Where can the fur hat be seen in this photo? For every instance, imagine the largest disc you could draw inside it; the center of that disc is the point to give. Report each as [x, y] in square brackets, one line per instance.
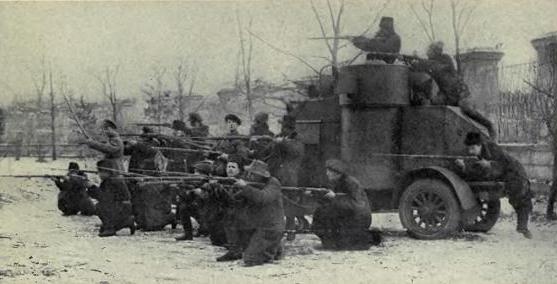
[259, 168]
[387, 23]
[336, 166]
[107, 123]
[473, 138]
[147, 130]
[178, 125]
[437, 45]
[204, 167]
[235, 158]
[233, 117]
[73, 166]
[261, 117]
[194, 117]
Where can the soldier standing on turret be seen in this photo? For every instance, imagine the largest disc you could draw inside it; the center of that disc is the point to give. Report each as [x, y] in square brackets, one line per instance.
[386, 40]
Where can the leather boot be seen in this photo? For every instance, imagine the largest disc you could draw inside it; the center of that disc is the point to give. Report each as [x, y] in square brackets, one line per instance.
[230, 256]
[131, 225]
[107, 233]
[522, 216]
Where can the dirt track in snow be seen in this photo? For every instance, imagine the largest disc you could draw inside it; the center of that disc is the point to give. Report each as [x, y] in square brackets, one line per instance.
[38, 245]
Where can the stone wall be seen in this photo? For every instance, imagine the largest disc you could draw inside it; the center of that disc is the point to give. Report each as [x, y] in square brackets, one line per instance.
[537, 159]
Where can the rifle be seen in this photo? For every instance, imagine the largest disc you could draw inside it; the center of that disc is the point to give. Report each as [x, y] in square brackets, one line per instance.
[168, 125]
[423, 156]
[343, 37]
[161, 172]
[188, 150]
[85, 171]
[186, 140]
[41, 176]
[203, 178]
[218, 138]
[110, 169]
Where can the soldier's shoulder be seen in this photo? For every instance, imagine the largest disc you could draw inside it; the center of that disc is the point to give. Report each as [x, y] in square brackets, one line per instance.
[351, 181]
[274, 181]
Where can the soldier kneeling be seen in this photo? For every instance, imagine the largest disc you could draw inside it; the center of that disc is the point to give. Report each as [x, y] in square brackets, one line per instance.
[114, 207]
[266, 212]
[342, 220]
[73, 197]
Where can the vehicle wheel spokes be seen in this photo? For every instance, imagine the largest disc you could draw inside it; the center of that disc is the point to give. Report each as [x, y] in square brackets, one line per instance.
[429, 211]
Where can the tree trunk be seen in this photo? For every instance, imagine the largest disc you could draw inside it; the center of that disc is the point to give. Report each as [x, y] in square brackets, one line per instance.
[53, 128]
[250, 103]
[553, 189]
[52, 120]
[115, 112]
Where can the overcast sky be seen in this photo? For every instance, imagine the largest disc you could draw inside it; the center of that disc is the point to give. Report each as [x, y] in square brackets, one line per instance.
[80, 39]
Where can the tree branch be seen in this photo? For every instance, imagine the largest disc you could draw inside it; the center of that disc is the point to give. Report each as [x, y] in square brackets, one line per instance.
[421, 22]
[300, 59]
[323, 33]
[376, 18]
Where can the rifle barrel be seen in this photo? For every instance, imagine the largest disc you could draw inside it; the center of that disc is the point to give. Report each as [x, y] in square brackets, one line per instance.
[332, 37]
[187, 150]
[154, 124]
[233, 137]
[422, 156]
[31, 176]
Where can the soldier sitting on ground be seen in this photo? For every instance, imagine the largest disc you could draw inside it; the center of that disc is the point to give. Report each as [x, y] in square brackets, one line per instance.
[495, 164]
[342, 221]
[73, 197]
[266, 212]
[386, 40]
[114, 207]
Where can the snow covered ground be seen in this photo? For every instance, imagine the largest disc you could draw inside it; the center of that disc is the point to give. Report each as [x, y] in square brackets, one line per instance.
[39, 245]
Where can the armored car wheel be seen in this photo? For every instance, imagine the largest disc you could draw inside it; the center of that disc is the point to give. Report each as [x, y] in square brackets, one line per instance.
[489, 213]
[429, 210]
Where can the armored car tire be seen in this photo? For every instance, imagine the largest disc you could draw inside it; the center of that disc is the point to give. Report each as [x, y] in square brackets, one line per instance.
[489, 213]
[429, 209]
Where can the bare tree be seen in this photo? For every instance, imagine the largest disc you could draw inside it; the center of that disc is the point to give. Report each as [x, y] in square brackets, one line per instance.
[157, 97]
[546, 86]
[335, 18]
[461, 13]
[182, 75]
[246, 56]
[40, 83]
[53, 113]
[335, 23]
[426, 23]
[107, 80]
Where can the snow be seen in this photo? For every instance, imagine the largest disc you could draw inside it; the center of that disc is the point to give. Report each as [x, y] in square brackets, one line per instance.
[39, 245]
